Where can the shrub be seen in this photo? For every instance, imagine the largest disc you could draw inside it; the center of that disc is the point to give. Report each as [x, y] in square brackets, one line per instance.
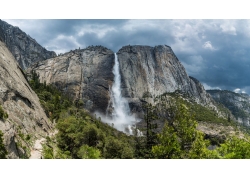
[3, 151]
[3, 115]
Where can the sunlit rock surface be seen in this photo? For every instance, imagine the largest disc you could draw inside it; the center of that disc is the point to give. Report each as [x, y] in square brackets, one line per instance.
[82, 74]
[26, 117]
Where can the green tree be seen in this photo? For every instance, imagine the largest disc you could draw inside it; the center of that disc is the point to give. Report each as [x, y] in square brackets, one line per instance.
[180, 138]
[235, 148]
[199, 149]
[2, 113]
[3, 151]
[71, 134]
[144, 145]
[87, 152]
[150, 117]
[47, 152]
[169, 146]
[116, 149]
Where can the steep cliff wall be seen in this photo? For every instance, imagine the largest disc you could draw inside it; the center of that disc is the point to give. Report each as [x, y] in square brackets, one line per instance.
[25, 49]
[87, 74]
[237, 103]
[83, 74]
[156, 70]
[26, 119]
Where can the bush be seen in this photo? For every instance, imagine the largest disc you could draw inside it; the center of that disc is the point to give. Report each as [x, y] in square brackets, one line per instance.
[3, 151]
[3, 115]
[52, 100]
[87, 152]
[235, 148]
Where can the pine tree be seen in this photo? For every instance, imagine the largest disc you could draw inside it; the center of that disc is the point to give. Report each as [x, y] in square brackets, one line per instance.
[180, 138]
[150, 117]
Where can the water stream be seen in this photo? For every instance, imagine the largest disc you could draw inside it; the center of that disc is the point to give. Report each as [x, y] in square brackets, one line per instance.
[121, 115]
[118, 112]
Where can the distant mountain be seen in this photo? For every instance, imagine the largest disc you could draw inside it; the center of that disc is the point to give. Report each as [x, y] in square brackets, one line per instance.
[25, 49]
[237, 103]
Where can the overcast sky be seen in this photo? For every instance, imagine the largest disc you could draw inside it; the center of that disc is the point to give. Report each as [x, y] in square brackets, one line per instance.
[216, 52]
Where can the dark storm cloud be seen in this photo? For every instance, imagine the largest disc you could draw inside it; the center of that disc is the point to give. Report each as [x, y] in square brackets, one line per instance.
[118, 37]
[216, 52]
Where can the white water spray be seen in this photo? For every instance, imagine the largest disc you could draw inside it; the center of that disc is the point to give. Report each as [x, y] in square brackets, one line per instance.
[122, 119]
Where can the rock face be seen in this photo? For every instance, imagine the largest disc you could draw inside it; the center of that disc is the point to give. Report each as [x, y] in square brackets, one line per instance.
[83, 74]
[25, 49]
[26, 119]
[156, 70]
[237, 103]
[87, 74]
[217, 133]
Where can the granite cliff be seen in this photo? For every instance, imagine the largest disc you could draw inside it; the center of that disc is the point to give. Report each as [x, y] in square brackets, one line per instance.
[87, 74]
[25, 120]
[156, 70]
[84, 74]
[24, 49]
[237, 103]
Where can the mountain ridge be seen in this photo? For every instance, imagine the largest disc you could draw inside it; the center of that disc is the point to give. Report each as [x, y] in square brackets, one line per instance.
[237, 103]
[24, 48]
[135, 62]
[84, 74]
[26, 118]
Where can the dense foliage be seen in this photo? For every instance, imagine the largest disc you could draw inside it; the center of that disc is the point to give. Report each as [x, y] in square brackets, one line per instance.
[82, 135]
[52, 100]
[180, 138]
[204, 114]
[235, 148]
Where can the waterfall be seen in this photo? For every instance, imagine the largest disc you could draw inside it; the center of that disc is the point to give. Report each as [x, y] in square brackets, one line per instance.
[118, 112]
[121, 116]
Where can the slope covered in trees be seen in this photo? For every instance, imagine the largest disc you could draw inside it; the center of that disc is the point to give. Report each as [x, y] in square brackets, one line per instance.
[82, 135]
[237, 103]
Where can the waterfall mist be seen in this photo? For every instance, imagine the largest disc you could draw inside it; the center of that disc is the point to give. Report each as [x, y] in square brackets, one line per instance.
[121, 117]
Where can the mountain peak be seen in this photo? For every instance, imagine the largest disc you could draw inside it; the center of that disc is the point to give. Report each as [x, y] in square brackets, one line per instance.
[24, 48]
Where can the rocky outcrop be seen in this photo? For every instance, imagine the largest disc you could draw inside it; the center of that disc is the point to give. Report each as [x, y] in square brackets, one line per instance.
[156, 70]
[82, 74]
[237, 103]
[26, 119]
[25, 49]
[217, 133]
